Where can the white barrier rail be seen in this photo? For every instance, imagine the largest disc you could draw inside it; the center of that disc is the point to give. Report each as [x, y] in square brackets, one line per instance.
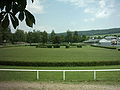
[64, 71]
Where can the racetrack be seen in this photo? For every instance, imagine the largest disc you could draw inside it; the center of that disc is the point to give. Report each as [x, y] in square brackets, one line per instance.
[13, 85]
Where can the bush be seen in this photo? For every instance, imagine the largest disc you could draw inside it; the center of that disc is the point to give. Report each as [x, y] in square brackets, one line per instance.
[79, 46]
[67, 46]
[49, 46]
[73, 44]
[56, 64]
[56, 46]
[118, 49]
[41, 46]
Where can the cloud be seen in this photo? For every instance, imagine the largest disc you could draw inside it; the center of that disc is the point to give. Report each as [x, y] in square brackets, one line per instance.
[78, 3]
[102, 3]
[97, 8]
[106, 8]
[89, 19]
[89, 10]
[36, 7]
[106, 12]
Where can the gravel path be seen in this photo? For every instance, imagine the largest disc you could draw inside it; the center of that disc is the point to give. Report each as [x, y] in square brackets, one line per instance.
[53, 86]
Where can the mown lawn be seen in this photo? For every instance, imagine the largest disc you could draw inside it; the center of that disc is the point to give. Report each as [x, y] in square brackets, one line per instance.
[33, 54]
[57, 76]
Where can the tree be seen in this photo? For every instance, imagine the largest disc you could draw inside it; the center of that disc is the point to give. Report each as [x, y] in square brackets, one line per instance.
[12, 8]
[57, 40]
[69, 36]
[37, 36]
[29, 37]
[75, 37]
[19, 36]
[62, 38]
[83, 38]
[44, 37]
[5, 34]
[52, 36]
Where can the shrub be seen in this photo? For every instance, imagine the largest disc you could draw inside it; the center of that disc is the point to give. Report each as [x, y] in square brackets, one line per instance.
[49, 46]
[67, 46]
[41, 46]
[118, 49]
[73, 44]
[56, 64]
[56, 46]
[79, 46]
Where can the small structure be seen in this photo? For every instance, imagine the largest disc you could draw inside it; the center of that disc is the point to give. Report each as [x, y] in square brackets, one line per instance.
[109, 41]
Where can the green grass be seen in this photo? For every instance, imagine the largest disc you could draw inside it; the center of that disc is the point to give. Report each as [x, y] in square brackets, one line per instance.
[57, 76]
[85, 54]
[32, 54]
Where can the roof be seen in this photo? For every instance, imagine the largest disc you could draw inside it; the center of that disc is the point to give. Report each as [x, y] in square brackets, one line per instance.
[110, 37]
[104, 40]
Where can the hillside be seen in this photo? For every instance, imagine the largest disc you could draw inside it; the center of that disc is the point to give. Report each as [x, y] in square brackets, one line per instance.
[97, 32]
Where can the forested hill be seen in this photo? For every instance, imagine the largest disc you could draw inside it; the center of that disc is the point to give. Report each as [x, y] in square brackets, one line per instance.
[97, 32]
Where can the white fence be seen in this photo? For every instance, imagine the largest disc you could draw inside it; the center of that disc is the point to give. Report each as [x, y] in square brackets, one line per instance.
[64, 71]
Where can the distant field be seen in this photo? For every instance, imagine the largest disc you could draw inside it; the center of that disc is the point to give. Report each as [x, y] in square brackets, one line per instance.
[32, 54]
[57, 76]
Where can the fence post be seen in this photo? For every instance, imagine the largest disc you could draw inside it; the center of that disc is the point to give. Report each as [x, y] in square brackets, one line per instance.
[94, 75]
[63, 75]
[37, 75]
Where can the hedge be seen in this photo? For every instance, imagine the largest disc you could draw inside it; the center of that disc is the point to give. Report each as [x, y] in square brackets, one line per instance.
[41, 46]
[67, 46]
[49, 46]
[56, 46]
[56, 64]
[118, 49]
[79, 46]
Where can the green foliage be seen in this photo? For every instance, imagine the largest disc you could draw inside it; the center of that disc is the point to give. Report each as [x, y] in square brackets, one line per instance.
[56, 64]
[111, 78]
[44, 37]
[56, 46]
[12, 8]
[75, 37]
[5, 35]
[41, 46]
[69, 36]
[118, 49]
[14, 20]
[110, 31]
[84, 54]
[67, 46]
[79, 46]
[52, 36]
[29, 18]
[49, 46]
[5, 22]
[19, 36]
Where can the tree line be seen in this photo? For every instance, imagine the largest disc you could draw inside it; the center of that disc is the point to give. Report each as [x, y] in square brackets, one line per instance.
[6, 36]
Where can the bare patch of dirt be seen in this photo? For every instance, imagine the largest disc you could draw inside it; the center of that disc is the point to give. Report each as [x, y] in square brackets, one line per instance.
[10, 85]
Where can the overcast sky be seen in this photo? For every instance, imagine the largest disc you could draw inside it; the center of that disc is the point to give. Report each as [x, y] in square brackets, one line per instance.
[78, 15]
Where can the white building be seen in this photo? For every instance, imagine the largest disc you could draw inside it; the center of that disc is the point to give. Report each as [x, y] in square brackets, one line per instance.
[109, 41]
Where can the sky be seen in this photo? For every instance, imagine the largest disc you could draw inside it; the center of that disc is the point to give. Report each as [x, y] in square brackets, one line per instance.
[74, 15]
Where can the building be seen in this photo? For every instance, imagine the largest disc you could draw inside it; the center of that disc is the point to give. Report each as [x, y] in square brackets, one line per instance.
[110, 41]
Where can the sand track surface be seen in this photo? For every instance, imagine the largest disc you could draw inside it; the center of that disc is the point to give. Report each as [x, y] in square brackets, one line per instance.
[11, 85]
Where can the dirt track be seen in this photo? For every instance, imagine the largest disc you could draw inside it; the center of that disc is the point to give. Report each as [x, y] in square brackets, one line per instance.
[53, 86]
